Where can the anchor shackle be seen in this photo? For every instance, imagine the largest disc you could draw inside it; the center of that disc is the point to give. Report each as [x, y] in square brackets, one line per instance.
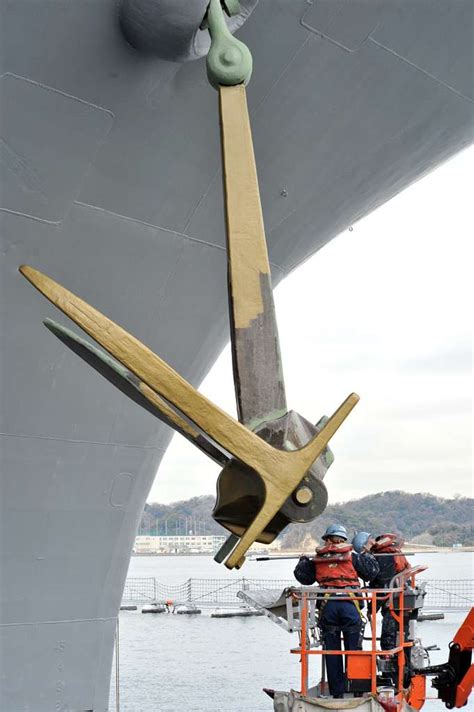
[228, 61]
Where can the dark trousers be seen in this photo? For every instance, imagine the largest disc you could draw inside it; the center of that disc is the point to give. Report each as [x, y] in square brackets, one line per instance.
[388, 635]
[336, 618]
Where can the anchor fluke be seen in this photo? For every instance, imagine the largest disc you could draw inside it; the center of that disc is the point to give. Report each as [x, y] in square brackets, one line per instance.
[280, 471]
[134, 388]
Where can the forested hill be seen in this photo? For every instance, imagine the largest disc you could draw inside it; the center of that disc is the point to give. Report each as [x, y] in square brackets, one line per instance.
[420, 517]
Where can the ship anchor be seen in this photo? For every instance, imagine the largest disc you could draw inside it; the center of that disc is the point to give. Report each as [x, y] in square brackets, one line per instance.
[274, 460]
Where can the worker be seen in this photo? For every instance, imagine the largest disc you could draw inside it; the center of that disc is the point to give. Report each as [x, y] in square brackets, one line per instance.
[336, 565]
[387, 550]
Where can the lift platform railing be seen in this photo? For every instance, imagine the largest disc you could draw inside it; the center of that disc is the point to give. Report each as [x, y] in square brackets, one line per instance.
[365, 661]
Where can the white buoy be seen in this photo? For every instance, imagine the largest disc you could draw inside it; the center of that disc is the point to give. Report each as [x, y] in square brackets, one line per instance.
[187, 610]
[154, 608]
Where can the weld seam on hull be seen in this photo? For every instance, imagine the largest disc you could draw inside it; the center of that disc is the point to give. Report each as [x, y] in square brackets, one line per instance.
[420, 69]
[82, 442]
[160, 227]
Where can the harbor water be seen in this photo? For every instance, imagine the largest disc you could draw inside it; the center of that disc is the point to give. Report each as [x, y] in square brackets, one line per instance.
[202, 664]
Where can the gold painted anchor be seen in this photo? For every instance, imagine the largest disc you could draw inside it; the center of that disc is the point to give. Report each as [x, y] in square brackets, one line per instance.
[274, 460]
[280, 471]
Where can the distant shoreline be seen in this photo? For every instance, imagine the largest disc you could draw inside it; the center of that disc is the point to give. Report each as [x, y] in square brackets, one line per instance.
[428, 548]
[410, 548]
[173, 553]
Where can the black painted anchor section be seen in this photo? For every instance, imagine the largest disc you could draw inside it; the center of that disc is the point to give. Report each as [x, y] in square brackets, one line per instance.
[129, 385]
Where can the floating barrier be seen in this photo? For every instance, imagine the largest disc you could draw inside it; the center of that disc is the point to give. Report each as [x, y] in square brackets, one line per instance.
[154, 608]
[235, 613]
[187, 611]
[430, 616]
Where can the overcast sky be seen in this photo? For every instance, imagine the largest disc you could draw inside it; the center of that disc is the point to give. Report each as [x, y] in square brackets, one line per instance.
[383, 310]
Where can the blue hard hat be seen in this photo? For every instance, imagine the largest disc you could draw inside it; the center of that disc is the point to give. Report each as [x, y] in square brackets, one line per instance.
[360, 540]
[335, 530]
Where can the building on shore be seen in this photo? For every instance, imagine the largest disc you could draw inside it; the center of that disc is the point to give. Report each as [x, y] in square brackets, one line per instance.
[188, 544]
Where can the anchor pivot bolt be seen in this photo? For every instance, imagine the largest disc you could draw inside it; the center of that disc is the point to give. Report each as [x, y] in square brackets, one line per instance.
[303, 495]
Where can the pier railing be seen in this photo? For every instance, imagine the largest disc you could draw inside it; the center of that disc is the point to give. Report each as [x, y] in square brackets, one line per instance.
[449, 594]
[441, 594]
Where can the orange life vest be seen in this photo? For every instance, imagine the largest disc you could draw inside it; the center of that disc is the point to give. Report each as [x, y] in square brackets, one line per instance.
[391, 544]
[334, 568]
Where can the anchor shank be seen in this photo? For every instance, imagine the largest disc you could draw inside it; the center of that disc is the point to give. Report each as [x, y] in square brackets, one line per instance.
[258, 378]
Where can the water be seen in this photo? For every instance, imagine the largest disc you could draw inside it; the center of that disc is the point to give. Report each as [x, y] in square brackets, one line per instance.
[203, 664]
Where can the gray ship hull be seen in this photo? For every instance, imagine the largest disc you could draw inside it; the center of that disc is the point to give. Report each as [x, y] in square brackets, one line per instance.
[111, 185]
